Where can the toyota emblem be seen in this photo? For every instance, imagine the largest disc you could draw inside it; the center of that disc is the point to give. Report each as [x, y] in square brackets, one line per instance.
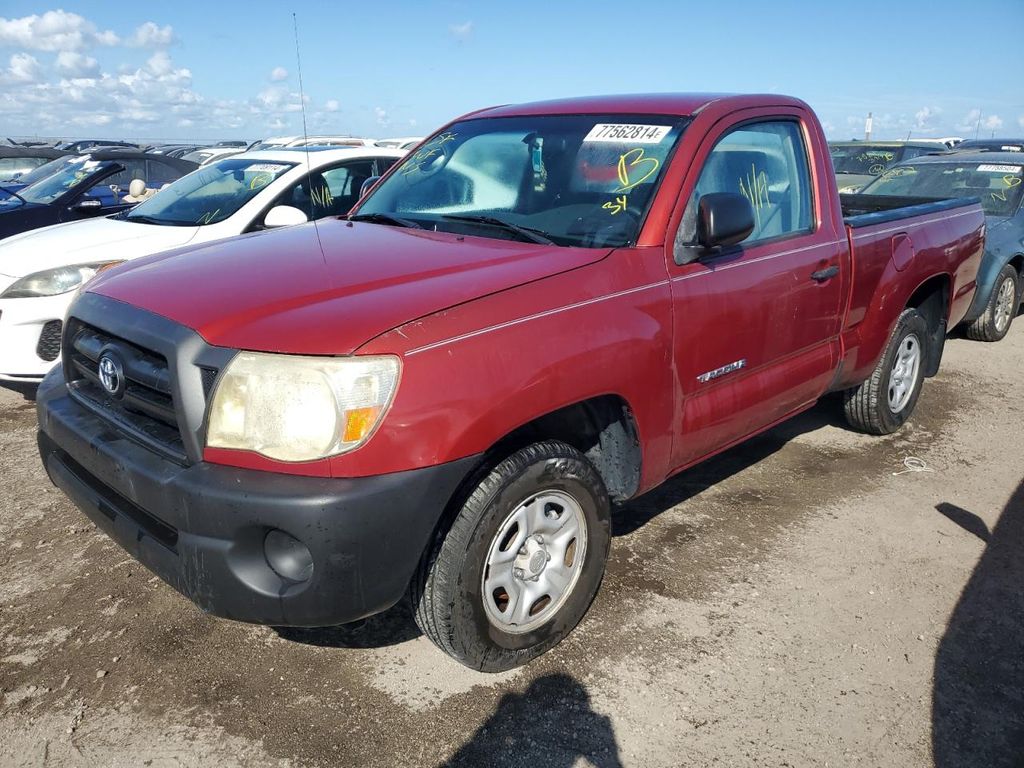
[111, 374]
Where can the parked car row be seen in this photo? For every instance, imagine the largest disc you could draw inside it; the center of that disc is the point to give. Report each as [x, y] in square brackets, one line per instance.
[440, 387]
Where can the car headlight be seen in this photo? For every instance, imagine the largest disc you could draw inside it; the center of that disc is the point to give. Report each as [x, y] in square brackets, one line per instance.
[51, 282]
[295, 408]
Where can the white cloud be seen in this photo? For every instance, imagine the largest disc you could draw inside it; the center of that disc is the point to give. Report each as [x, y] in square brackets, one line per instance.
[53, 31]
[332, 105]
[74, 64]
[277, 74]
[382, 116]
[1020, 122]
[412, 122]
[151, 35]
[925, 118]
[23, 68]
[461, 32]
[992, 123]
[160, 64]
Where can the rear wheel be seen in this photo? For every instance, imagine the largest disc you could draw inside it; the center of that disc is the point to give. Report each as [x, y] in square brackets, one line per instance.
[521, 563]
[994, 323]
[885, 401]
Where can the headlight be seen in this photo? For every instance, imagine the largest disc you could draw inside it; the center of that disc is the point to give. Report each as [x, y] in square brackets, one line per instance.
[293, 408]
[51, 282]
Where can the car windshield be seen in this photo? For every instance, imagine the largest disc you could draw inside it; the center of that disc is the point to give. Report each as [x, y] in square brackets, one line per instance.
[46, 169]
[72, 174]
[583, 180]
[210, 194]
[997, 185]
[863, 159]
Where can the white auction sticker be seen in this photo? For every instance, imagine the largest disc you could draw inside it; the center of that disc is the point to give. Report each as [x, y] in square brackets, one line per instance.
[623, 133]
[266, 167]
[999, 168]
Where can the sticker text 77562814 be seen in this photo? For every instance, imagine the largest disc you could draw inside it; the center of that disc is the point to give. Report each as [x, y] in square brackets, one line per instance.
[628, 133]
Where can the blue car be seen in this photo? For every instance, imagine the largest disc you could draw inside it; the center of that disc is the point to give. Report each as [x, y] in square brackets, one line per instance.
[94, 184]
[996, 179]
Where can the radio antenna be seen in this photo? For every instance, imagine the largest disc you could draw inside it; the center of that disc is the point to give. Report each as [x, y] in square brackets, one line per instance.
[305, 140]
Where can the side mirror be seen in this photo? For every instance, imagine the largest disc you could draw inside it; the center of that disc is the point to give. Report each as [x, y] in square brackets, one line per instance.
[367, 184]
[87, 205]
[724, 218]
[284, 216]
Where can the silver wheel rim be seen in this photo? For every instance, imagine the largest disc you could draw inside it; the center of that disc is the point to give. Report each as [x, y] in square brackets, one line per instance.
[1005, 304]
[534, 561]
[903, 376]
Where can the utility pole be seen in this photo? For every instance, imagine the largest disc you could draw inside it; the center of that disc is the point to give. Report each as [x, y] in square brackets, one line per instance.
[867, 128]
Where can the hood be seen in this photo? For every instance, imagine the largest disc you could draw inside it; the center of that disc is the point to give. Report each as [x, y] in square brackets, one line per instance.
[276, 292]
[83, 242]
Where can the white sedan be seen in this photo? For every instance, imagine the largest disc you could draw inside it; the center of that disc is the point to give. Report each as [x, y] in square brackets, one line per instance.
[41, 270]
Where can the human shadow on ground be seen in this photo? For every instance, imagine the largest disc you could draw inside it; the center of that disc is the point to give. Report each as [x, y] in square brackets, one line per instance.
[549, 725]
[978, 696]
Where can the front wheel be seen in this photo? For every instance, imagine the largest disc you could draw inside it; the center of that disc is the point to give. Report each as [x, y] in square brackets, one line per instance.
[885, 401]
[994, 323]
[521, 562]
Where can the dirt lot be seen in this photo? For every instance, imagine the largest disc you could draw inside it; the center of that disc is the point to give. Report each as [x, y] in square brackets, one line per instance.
[793, 602]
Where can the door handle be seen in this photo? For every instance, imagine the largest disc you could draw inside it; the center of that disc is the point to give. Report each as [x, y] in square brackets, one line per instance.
[827, 273]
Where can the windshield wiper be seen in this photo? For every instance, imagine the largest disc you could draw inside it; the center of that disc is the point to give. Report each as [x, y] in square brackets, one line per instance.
[385, 218]
[144, 219]
[525, 233]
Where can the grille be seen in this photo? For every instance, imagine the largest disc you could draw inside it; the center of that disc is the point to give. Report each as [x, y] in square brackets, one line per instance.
[48, 347]
[144, 408]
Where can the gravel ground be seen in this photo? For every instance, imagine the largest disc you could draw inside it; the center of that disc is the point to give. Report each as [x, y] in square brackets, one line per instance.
[793, 602]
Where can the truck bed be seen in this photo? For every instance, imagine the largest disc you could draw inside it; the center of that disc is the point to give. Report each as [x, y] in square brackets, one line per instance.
[864, 210]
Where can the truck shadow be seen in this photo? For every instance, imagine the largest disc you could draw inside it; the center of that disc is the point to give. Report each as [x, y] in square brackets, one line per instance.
[549, 725]
[27, 391]
[978, 696]
[392, 627]
[396, 625]
[637, 512]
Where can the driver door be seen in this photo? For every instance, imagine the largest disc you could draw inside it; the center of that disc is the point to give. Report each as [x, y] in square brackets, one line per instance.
[756, 333]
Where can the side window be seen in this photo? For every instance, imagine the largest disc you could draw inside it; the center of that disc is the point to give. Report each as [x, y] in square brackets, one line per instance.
[158, 174]
[329, 192]
[384, 164]
[767, 164]
[133, 169]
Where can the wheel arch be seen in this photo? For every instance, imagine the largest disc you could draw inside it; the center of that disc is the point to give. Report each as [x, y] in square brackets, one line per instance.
[932, 299]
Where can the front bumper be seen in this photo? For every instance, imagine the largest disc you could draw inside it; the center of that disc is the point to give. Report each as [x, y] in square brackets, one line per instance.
[21, 324]
[202, 528]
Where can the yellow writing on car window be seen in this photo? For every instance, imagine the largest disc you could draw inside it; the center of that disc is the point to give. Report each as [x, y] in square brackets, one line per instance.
[427, 152]
[209, 216]
[754, 187]
[260, 180]
[635, 168]
[618, 205]
[322, 197]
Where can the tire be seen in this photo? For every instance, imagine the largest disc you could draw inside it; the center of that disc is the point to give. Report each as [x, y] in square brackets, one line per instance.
[542, 490]
[994, 322]
[882, 404]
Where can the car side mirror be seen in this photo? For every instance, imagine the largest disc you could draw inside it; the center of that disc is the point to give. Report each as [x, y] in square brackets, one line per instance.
[284, 216]
[367, 184]
[723, 219]
[87, 205]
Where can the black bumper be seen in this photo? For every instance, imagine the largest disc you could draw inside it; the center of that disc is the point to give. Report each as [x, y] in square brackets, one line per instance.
[202, 528]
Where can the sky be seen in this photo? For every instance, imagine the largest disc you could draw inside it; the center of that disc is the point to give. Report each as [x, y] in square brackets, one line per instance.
[195, 71]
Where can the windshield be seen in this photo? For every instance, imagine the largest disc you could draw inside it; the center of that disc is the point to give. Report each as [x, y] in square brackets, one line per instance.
[863, 159]
[581, 180]
[210, 194]
[998, 186]
[72, 174]
[45, 170]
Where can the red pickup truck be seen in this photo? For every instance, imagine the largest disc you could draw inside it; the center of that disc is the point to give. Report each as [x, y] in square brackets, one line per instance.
[544, 310]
